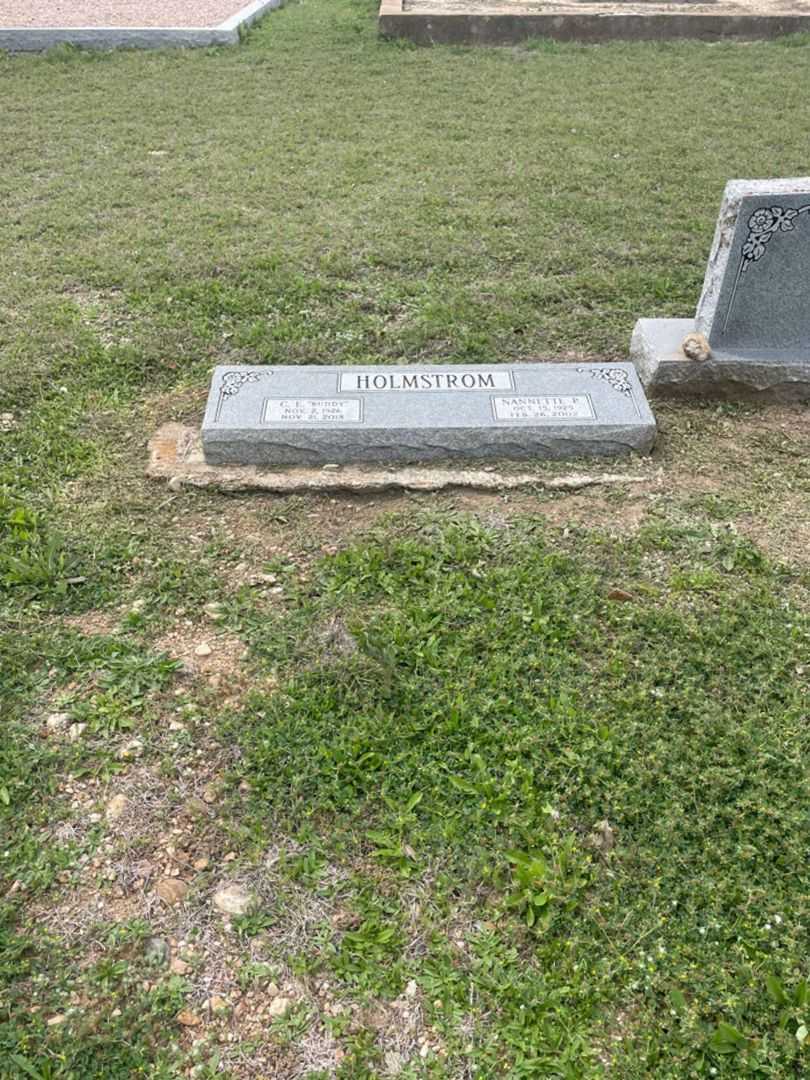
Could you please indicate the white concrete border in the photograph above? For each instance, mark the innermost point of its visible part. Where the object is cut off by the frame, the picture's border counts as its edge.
(37, 38)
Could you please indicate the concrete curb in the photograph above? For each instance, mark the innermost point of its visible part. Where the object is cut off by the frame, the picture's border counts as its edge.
(429, 28)
(37, 39)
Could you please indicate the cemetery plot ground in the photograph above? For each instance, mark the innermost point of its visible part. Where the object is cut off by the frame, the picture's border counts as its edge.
(499, 22)
(117, 13)
(430, 786)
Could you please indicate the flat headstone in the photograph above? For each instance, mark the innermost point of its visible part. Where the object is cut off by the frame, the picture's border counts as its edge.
(340, 415)
(754, 310)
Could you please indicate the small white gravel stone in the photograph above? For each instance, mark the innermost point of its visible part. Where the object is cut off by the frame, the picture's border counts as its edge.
(234, 900)
(279, 1006)
(115, 807)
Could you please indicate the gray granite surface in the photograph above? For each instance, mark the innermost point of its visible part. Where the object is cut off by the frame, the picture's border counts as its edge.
(656, 351)
(754, 309)
(756, 293)
(320, 415)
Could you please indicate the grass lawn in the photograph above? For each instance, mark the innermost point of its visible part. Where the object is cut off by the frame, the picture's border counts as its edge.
(488, 818)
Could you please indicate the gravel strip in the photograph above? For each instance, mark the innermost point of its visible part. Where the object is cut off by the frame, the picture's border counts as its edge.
(91, 13)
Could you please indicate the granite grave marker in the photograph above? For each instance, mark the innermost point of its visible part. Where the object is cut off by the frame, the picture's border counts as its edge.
(751, 332)
(319, 415)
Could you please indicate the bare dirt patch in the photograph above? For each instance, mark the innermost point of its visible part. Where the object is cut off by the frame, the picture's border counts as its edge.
(207, 652)
(100, 623)
(784, 532)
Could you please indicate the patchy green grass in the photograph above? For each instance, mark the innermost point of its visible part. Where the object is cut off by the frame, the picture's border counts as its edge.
(498, 708)
(493, 822)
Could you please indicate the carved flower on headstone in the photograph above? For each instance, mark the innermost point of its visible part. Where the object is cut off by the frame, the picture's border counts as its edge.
(762, 220)
(771, 219)
(763, 225)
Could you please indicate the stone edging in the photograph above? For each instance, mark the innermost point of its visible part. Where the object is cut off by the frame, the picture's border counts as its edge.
(37, 39)
(176, 458)
(460, 28)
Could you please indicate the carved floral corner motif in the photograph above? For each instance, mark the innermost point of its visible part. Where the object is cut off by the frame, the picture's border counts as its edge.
(232, 382)
(616, 378)
(763, 225)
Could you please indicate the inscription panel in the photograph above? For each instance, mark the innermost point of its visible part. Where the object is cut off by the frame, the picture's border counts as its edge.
(545, 407)
(426, 381)
(313, 411)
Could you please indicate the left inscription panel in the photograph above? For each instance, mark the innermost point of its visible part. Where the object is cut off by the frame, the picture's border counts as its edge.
(313, 411)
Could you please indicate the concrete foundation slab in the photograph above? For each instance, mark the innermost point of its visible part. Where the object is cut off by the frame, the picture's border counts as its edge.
(176, 458)
(45, 35)
(665, 371)
(508, 22)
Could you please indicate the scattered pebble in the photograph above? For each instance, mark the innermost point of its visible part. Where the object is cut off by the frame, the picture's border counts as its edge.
(175, 484)
(234, 900)
(621, 595)
(115, 807)
(75, 731)
(394, 1062)
(279, 1006)
(179, 967)
(171, 891)
(188, 1019)
(57, 721)
(203, 649)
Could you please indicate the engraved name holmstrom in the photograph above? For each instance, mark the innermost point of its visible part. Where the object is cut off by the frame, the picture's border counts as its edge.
(426, 380)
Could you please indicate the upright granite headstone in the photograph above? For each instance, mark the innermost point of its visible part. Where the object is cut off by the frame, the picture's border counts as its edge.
(751, 334)
(320, 415)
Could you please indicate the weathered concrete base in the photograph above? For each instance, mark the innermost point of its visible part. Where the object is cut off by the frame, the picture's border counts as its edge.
(439, 27)
(655, 349)
(176, 457)
(38, 39)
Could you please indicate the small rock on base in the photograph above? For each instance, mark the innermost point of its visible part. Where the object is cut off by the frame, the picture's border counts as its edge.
(696, 347)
